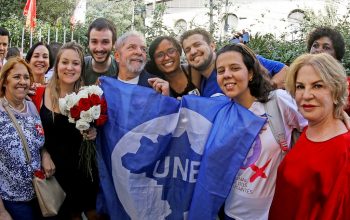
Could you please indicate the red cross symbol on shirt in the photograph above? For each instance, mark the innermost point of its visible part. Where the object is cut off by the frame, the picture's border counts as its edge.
(40, 129)
(258, 171)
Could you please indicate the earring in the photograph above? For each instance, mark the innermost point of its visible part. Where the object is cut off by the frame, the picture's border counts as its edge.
(250, 79)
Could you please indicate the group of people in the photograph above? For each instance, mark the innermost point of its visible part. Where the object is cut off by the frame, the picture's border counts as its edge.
(309, 181)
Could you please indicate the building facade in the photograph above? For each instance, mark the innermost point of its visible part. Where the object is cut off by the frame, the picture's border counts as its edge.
(264, 16)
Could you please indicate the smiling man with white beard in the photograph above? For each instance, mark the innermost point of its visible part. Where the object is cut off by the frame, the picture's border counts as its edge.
(131, 56)
(101, 36)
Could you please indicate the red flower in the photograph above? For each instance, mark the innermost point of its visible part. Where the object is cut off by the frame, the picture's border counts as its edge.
(84, 104)
(75, 112)
(103, 106)
(40, 174)
(101, 120)
(94, 99)
(40, 129)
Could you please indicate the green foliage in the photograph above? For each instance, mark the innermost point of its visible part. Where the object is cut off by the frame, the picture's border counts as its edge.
(53, 11)
(11, 8)
(277, 49)
(157, 27)
(120, 12)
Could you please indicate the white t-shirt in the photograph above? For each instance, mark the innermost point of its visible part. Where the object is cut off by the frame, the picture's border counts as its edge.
(131, 81)
(252, 192)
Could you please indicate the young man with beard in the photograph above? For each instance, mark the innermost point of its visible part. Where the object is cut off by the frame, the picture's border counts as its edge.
(4, 43)
(199, 48)
(101, 37)
(131, 56)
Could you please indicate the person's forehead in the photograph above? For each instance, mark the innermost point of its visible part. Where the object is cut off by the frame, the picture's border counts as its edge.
(101, 34)
(134, 40)
(324, 40)
(18, 68)
(41, 49)
(4, 39)
(195, 38)
(165, 44)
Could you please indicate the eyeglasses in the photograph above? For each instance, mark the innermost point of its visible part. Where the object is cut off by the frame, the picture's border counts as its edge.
(170, 53)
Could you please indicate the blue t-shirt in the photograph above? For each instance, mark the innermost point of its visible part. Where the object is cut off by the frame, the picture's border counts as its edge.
(210, 86)
(271, 65)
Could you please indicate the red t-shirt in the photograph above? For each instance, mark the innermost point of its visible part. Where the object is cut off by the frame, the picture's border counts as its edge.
(313, 181)
(38, 97)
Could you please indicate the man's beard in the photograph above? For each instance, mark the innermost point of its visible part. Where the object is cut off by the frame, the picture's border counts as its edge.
(101, 62)
(205, 64)
(135, 69)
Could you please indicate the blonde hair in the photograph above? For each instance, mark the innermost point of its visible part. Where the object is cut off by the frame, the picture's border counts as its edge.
(5, 71)
(54, 83)
(331, 72)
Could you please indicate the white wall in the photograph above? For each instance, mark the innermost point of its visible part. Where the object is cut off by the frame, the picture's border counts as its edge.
(264, 16)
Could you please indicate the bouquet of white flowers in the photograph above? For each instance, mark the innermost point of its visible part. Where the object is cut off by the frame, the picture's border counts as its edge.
(85, 108)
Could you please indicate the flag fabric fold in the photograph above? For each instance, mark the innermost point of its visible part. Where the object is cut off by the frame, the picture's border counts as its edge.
(30, 12)
(156, 154)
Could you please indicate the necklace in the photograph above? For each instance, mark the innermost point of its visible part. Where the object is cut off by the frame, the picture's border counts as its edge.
(13, 108)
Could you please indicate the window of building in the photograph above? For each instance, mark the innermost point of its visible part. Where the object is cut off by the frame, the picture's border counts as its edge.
(180, 26)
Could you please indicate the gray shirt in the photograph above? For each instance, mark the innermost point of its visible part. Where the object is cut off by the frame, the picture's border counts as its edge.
(90, 76)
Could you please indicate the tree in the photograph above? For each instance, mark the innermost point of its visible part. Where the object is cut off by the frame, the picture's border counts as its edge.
(157, 27)
(52, 11)
(11, 8)
(119, 12)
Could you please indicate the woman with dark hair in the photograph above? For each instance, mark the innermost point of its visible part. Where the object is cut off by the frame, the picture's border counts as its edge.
(242, 79)
(165, 53)
(326, 40)
(40, 61)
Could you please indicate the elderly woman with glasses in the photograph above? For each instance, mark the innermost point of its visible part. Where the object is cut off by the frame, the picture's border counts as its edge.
(165, 53)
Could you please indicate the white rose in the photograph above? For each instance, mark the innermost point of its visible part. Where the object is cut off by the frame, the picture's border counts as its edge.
(82, 125)
(95, 111)
(83, 94)
(71, 100)
(70, 119)
(93, 89)
(86, 116)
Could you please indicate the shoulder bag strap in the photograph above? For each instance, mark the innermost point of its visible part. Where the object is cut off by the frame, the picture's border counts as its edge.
(19, 130)
(275, 121)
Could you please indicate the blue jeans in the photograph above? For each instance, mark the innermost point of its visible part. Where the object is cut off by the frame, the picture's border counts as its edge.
(24, 210)
(20, 210)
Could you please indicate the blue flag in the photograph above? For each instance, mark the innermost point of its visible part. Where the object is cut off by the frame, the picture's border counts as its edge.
(160, 158)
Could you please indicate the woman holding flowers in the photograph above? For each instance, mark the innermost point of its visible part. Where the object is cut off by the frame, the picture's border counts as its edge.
(62, 138)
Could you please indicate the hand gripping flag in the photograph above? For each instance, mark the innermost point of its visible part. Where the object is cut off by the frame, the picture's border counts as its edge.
(30, 13)
(154, 150)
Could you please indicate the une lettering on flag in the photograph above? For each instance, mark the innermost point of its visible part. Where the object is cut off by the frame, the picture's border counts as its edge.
(30, 13)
